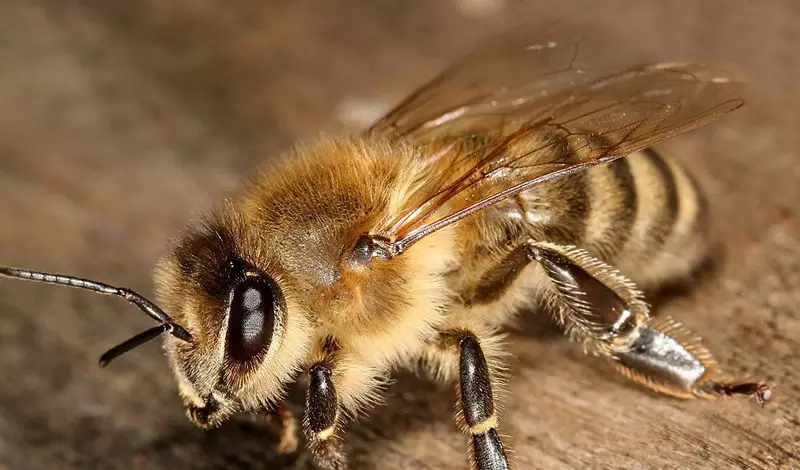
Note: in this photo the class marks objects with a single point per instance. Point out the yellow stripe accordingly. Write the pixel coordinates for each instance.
(480, 428)
(326, 433)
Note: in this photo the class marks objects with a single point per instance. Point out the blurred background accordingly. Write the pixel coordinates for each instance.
(120, 120)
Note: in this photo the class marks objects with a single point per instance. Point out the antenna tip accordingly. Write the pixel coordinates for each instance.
(180, 332)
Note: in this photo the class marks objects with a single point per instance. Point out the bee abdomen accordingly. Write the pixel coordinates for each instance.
(657, 232)
(643, 214)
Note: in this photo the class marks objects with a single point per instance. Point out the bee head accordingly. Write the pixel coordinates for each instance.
(221, 286)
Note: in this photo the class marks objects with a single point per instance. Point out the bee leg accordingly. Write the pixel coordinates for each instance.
(288, 439)
(214, 411)
(322, 419)
(476, 414)
(604, 310)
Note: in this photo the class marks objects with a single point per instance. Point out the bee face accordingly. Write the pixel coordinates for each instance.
(233, 300)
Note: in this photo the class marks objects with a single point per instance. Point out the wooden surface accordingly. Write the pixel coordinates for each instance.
(119, 120)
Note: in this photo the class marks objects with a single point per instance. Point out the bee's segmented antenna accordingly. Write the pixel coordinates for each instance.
(137, 340)
(148, 307)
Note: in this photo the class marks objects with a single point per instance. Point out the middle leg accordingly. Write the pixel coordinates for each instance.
(476, 413)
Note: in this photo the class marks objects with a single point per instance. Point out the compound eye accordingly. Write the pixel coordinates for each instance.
(254, 304)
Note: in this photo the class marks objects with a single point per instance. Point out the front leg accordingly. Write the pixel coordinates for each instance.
(603, 309)
(323, 418)
(476, 415)
(211, 411)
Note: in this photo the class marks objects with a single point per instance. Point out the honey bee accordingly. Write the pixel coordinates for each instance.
(498, 186)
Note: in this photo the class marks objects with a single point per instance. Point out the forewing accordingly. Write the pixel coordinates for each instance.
(535, 139)
(519, 62)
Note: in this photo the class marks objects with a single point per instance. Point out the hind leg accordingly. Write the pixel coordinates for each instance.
(604, 310)
(601, 308)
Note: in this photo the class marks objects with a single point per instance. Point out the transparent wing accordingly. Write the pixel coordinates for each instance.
(556, 120)
(519, 64)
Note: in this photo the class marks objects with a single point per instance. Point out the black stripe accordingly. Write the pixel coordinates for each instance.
(570, 198)
(669, 212)
(700, 224)
(625, 217)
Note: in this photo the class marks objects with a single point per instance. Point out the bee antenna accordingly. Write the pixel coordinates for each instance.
(148, 307)
(135, 341)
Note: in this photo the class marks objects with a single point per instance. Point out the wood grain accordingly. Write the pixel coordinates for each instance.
(119, 120)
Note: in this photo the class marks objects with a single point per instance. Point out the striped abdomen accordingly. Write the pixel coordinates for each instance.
(643, 214)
